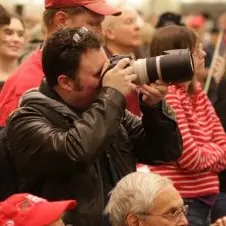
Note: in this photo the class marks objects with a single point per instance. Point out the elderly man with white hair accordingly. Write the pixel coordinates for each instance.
(147, 199)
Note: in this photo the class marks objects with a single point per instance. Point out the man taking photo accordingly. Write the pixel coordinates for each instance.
(73, 139)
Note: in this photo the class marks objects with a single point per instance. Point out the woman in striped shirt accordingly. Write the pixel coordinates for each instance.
(204, 140)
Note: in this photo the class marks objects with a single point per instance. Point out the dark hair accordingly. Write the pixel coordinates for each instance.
(169, 18)
(63, 50)
(214, 30)
(49, 13)
(4, 16)
(206, 15)
(15, 16)
(172, 37)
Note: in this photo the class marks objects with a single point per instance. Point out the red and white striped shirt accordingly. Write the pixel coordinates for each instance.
(204, 144)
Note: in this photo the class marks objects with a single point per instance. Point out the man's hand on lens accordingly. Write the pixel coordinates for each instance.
(121, 77)
(154, 92)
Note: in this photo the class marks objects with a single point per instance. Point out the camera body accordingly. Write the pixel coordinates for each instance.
(115, 59)
(175, 66)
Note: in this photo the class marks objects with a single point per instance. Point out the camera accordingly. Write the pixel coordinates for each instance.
(175, 66)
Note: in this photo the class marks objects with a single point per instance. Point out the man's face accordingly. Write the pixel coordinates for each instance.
(88, 19)
(166, 211)
(126, 29)
(88, 77)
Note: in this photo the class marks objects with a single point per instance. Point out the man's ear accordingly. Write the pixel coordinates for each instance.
(61, 19)
(65, 83)
(132, 220)
(109, 34)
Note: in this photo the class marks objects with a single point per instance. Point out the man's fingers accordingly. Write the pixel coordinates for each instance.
(128, 70)
(161, 83)
(122, 64)
(154, 89)
(133, 86)
(132, 77)
(151, 92)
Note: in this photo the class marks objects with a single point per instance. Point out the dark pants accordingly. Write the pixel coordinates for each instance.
(198, 212)
(219, 208)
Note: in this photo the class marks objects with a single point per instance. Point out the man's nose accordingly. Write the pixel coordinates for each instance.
(183, 221)
(137, 27)
(16, 37)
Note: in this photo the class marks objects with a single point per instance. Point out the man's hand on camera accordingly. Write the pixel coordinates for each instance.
(154, 92)
(121, 77)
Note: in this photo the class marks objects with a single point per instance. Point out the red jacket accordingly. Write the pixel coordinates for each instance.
(27, 76)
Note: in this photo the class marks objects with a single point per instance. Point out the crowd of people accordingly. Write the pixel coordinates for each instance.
(83, 143)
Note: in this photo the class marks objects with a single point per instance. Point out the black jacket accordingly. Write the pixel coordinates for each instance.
(220, 107)
(57, 149)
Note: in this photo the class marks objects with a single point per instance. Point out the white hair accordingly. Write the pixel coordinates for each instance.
(110, 21)
(134, 194)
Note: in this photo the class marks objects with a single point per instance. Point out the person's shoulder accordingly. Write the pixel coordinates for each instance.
(28, 75)
(29, 106)
(22, 114)
(32, 63)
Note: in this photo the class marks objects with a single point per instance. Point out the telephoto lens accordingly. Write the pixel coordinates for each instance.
(176, 66)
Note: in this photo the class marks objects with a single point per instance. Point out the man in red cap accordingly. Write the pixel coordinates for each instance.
(58, 14)
(29, 210)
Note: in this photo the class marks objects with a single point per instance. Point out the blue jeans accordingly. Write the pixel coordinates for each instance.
(198, 212)
(219, 208)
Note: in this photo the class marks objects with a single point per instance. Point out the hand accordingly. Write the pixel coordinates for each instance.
(154, 93)
(121, 78)
(220, 222)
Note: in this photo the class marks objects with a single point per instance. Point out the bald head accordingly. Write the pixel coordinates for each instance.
(123, 31)
(111, 21)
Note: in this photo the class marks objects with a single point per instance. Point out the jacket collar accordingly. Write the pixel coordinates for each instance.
(47, 97)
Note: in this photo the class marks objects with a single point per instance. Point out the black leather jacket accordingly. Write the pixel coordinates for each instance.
(57, 150)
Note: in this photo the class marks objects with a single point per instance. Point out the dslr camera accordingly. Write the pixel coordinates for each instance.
(175, 66)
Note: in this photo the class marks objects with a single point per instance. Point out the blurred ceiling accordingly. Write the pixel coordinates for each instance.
(203, 1)
(213, 7)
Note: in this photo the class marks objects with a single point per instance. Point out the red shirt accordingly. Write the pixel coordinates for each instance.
(133, 103)
(27, 76)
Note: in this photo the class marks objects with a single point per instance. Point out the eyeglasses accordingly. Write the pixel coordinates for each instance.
(174, 217)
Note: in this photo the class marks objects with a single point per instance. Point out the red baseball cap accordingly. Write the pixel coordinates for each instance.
(29, 210)
(97, 6)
